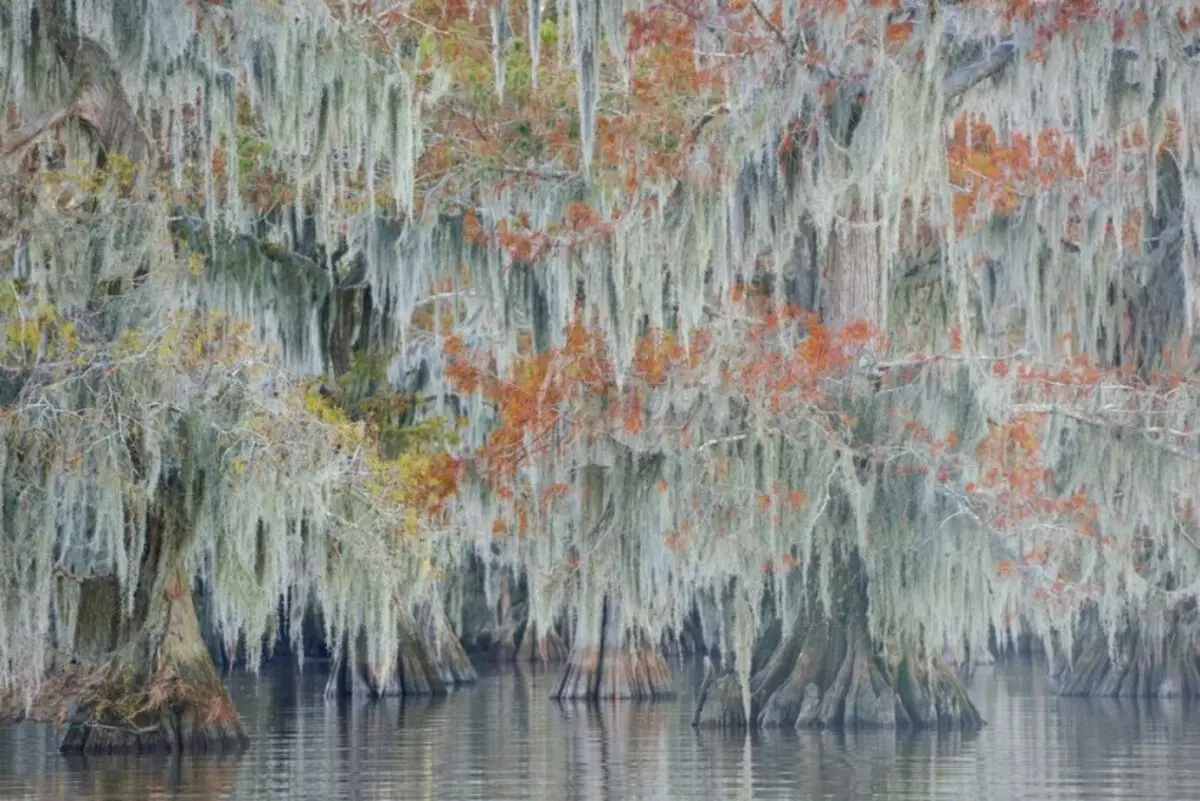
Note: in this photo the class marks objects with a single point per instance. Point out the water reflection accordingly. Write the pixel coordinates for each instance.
(504, 740)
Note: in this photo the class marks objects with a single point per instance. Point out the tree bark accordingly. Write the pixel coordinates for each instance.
(430, 661)
(538, 647)
(827, 673)
(853, 272)
(608, 666)
(97, 100)
(1131, 666)
(146, 683)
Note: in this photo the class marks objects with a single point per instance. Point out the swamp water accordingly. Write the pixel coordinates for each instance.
(503, 739)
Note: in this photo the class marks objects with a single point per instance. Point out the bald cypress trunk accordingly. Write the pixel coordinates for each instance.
(429, 661)
(1132, 663)
(609, 664)
(146, 683)
(829, 673)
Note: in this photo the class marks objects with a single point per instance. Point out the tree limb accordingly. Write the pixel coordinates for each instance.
(964, 78)
(98, 99)
(34, 129)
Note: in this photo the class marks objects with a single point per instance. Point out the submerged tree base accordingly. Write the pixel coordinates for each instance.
(169, 715)
(832, 676)
(427, 664)
(614, 664)
(159, 692)
(1129, 668)
(594, 674)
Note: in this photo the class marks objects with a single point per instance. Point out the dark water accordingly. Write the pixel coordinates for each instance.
(503, 739)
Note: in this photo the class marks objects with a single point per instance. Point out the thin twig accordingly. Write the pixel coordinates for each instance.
(767, 21)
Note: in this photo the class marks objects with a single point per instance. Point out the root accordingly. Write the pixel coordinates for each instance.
(827, 677)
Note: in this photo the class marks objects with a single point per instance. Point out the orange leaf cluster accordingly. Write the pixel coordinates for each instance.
(990, 176)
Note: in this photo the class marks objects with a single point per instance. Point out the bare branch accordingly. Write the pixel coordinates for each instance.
(34, 129)
(961, 80)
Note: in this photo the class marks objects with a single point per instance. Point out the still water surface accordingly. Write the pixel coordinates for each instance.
(503, 739)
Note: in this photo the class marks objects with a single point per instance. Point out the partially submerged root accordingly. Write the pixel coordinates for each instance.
(832, 677)
(1129, 668)
(428, 663)
(174, 712)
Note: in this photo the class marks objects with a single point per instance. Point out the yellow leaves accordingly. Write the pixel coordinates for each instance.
(321, 407)
(195, 264)
(417, 483)
(33, 329)
(22, 335)
(408, 473)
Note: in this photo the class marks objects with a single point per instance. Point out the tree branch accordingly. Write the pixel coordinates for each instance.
(964, 78)
(767, 21)
(98, 99)
(34, 129)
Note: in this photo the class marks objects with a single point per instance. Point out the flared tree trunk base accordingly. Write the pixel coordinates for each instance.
(595, 674)
(190, 720)
(1131, 670)
(831, 676)
(614, 664)
(159, 693)
(425, 666)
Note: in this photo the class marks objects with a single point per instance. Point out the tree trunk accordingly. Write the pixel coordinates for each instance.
(508, 624)
(538, 647)
(502, 631)
(144, 682)
(1132, 666)
(607, 666)
(853, 272)
(97, 98)
(160, 692)
(828, 673)
(430, 661)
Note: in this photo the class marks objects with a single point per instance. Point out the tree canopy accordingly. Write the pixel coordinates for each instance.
(718, 297)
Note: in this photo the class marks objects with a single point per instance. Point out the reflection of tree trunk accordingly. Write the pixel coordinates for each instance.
(149, 683)
(211, 777)
(430, 660)
(828, 673)
(604, 664)
(1133, 665)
